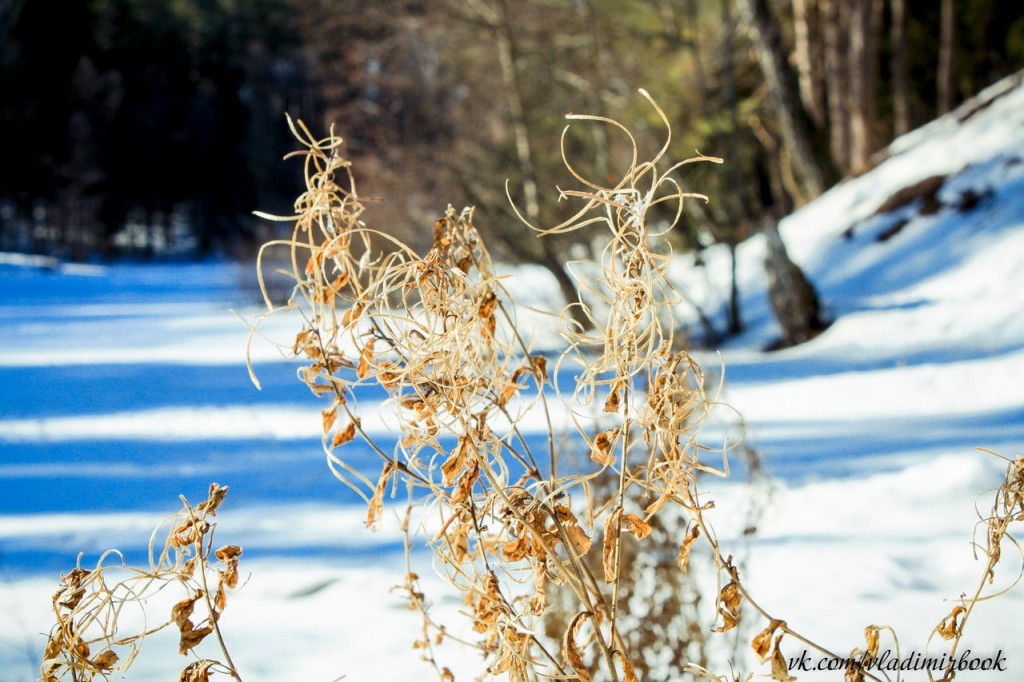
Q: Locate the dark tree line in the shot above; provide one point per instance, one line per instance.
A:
(158, 122)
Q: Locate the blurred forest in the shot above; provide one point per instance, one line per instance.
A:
(152, 128)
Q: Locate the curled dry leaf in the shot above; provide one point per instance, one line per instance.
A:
(577, 536)
(683, 559)
(611, 537)
(950, 626)
(464, 487)
(613, 401)
(453, 466)
(570, 650)
(854, 671)
(376, 506)
(871, 636)
(365, 358)
(181, 612)
(214, 500)
(602, 450)
(345, 435)
(191, 639)
(729, 606)
(762, 643)
(106, 660)
(328, 417)
(780, 671)
(199, 671)
(628, 673)
(637, 526)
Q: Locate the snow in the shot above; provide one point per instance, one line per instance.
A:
(122, 387)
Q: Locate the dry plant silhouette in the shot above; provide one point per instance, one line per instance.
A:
(93, 606)
(548, 549)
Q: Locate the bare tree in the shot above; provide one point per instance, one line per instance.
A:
(834, 19)
(863, 76)
(947, 46)
(808, 55)
(898, 67)
(795, 126)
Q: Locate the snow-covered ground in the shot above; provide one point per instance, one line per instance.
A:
(121, 387)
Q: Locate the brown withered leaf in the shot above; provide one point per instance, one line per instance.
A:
(220, 598)
(340, 281)
(577, 536)
(507, 393)
(762, 643)
(365, 358)
(614, 400)
(228, 552)
(328, 417)
(189, 569)
(198, 671)
(539, 364)
(729, 606)
(628, 673)
(214, 500)
(106, 660)
(637, 526)
(854, 671)
(446, 675)
(182, 611)
(352, 314)
(486, 312)
(302, 340)
(570, 650)
(611, 536)
(950, 626)
(683, 559)
(456, 461)
(602, 450)
(515, 550)
(464, 487)
(459, 542)
(345, 435)
(313, 263)
(780, 671)
(871, 636)
(71, 591)
(538, 603)
(520, 371)
(387, 376)
(190, 639)
(376, 506)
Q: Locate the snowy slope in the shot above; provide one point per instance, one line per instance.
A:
(122, 387)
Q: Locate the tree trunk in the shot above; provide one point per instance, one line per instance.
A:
(808, 67)
(947, 45)
(792, 296)
(898, 65)
(794, 124)
(835, 32)
(735, 321)
(507, 56)
(863, 75)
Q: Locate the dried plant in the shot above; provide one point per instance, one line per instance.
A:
(551, 544)
(547, 548)
(93, 607)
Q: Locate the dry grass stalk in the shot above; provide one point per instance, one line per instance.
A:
(88, 639)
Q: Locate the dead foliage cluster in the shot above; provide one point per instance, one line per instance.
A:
(101, 612)
(512, 524)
